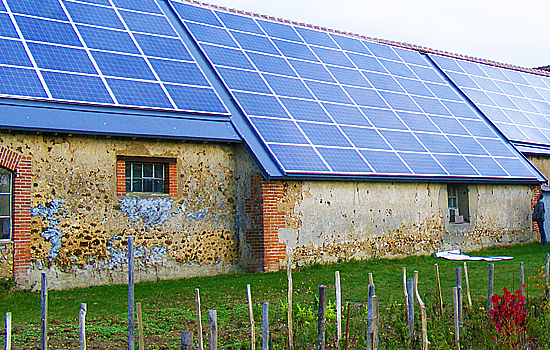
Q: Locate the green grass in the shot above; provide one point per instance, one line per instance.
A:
(168, 306)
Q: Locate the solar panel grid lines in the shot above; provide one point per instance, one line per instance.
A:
(309, 72)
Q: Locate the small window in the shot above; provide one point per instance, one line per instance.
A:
(143, 177)
(459, 211)
(5, 203)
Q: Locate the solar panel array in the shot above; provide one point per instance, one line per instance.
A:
(518, 103)
(329, 104)
(115, 52)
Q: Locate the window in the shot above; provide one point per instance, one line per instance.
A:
(5, 203)
(150, 175)
(459, 211)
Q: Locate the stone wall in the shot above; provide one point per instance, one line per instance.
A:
(542, 163)
(336, 221)
(79, 224)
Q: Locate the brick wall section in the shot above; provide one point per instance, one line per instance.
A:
(253, 231)
(21, 218)
(120, 178)
(273, 221)
(173, 179)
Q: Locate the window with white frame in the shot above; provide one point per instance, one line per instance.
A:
(146, 177)
(5, 203)
(458, 203)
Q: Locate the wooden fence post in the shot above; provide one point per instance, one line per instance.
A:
(376, 320)
(186, 340)
(321, 319)
(347, 327)
(546, 271)
(456, 317)
(44, 312)
(131, 319)
(8, 331)
(521, 279)
(213, 332)
(458, 275)
(490, 289)
(82, 325)
(251, 316)
(141, 340)
(439, 296)
(265, 326)
(423, 316)
(467, 285)
(338, 309)
(289, 311)
(405, 293)
(199, 319)
(410, 303)
(370, 319)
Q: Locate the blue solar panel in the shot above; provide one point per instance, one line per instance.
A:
(461, 110)
(138, 5)
(20, 82)
(194, 13)
(140, 22)
(472, 68)
(467, 145)
(315, 37)
(2, 8)
(515, 167)
(384, 51)
(197, 99)
(487, 166)
(508, 88)
(328, 92)
(298, 158)
(123, 66)
(306, 110)
(350, 44)
(484, 84)
(385, 162)
(436, 143)
(156, 46)
(241, 23)
(478, 128)
(43, 8)
(365, 97)
(295, 50)
(106, 39)
(280, 31)
(411, 56)
(414, 87)
(501, 100)
(324, 135)
(525, 105)
(444, 92)
(431, 105)
(417, 122)
(399, 101)
(61, 58)
(495, 114)
(47, 31)
(349, 77)
(13, 52)
(255, 43)
(402, 141)
(280, 131)
(226, 57)
(455, 165)
(97, 2)
(313, 71)
(138, 93)
(74, 87)
(448, 64)
(530, 92)
(422, 164)
(337, 58)
(271, 64)
(243, 80)
(463, 80)
(346, 115)
(179, 72)
(260, 105)
(344, 160)
(535, 135)
(365, 138)
(383, 118)
(94, 15)
(367, 63)
(290, 87)
(427, 74)
(398, 69)
(211, 35)
(383, 81)
(496, 148)
(7, 29)
(449, 125)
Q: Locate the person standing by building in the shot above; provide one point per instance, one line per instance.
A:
(538, 216)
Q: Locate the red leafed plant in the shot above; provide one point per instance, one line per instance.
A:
(509, 319)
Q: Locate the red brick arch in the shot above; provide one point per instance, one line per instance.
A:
(21, 218)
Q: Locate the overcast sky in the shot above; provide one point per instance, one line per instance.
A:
(514, 32)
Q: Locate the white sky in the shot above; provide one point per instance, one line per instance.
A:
(514, 32)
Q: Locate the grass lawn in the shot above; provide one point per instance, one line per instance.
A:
(168, 306)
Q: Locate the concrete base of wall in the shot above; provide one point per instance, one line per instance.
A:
(101, 274)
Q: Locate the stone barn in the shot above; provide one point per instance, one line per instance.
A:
(218, 138)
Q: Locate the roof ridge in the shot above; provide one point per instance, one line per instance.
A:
(537, 71)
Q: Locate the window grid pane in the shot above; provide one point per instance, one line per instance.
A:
(145, 177)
